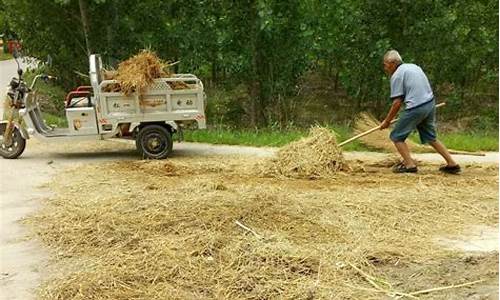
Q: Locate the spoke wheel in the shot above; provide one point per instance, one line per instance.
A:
(15, 147)
(154, 142)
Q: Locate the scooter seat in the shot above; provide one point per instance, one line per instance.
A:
(77, 94)
(79, 102)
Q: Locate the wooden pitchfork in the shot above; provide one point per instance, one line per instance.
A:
(395, 120)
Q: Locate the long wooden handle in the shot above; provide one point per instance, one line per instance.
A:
(375, 129)
(359, 135)
(459, 152)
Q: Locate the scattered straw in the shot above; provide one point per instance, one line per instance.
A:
(454, 286)
(314, 156)
(167, 230)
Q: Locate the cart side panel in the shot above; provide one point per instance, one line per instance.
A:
(159, 102)
(119, 105)
(184, 101)
(151, 103)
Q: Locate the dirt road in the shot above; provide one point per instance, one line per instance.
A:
(22, 259)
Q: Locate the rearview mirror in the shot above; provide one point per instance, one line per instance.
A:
(15, 53)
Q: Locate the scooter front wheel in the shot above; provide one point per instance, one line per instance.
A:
(15, 147)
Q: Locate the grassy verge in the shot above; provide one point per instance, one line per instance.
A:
(470, 141)
(5, 56)
(273, 138)
(262, 137)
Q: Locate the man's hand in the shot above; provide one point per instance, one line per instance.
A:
(384, 124)
(396, 105)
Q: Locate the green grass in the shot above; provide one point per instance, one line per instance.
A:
(5, 56)
(470, 141)
(243, 137)
(273, 138)
(53, 120)
(260, 138)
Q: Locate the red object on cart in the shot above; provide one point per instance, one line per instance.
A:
(13, 44)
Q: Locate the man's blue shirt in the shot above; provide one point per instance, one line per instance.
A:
(410, 83)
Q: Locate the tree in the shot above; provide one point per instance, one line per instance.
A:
(267, 46)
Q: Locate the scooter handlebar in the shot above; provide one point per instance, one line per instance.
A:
(44, 77)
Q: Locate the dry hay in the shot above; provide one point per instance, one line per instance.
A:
(388, 162)
(379, 139)
(109, 74)
(391, 161)
(314, 156)
(6, 107)
(131, 230)
(138, 72)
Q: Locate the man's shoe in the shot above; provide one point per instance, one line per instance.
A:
(450, 169)
(401, 168)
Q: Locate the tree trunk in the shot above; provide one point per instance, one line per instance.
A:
(111, 29)
(85, 24)
(214, 69)
(253, 84)
(336, 82)
(254, 94)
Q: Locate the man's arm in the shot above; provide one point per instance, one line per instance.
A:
(396, 105)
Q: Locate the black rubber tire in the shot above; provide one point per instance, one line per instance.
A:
(16, 148)
(154, 142)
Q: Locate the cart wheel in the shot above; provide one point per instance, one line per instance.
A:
(16, 147)
(154, 142)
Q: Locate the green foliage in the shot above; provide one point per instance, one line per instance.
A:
(49, 94)
(262, 49)
(5, 56)
(225, 106)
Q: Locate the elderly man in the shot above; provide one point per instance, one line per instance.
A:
(409, 85)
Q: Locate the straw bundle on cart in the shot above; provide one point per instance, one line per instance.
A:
(138, 72)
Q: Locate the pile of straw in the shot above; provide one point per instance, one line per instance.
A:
(315, 156)
(131, 230)
(138, 72)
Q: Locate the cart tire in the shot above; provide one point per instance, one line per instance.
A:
(16, 148)
(154, 142)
